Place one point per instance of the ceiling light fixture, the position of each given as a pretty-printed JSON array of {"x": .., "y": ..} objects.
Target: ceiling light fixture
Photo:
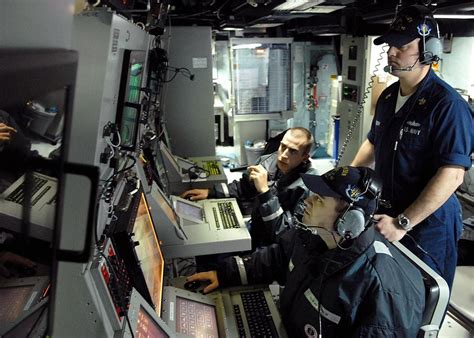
[
  {"x": 318, "y": 10},
  {"x": 247, "y": 46},
  {"x": 297, "y": 4},
  {"x": 267, "y": 25},
  {"x": 454, "y": 16},
  {"x": 232, "y": 29}
]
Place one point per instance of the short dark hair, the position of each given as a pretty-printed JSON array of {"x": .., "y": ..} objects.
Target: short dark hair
[{"x": 308, "y": 145}]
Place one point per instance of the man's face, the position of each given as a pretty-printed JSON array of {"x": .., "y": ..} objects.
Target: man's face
[
  {"x": 322, "y": 211},
  {"x": 291, "y": 151},
  {"x": 403, "y": 57}
]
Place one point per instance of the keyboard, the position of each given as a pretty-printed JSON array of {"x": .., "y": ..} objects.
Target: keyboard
[
  {"x": 212, "y": 167},
  {"x": 259, "y": 319},
  {"x": 18, "y": 195},
  {"x": 228, "y": 216}
]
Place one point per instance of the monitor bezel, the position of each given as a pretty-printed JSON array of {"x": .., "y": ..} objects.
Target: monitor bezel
[
  {"x": 177, "y": 200},
  {"x": 121, "y": 232},
  {"x": 122, "y": 102},
  {"x": 170, "y": 294},
  {"x": 136, "y": 303}
]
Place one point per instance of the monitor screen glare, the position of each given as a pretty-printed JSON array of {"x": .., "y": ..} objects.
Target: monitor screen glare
[
  {"x": 195, "y": 319},
  {"x": 149, "y": 253},
  {"x": 188, "y": 210},
  {"x": 147, "y": 327}
]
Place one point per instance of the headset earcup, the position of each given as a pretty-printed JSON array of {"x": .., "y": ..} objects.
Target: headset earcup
[
  {"x": 432, "y": 52},
  {"x": 352, "y": 224}
]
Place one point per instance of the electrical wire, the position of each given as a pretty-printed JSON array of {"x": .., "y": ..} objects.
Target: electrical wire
[{"x": 360, "y": 107}]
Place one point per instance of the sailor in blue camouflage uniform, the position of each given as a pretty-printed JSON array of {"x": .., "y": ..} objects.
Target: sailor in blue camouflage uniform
[
  {"x": 274, "y": 186},
  {"x": 335, "y": 267},
  {"x": 421, "y": 140}
]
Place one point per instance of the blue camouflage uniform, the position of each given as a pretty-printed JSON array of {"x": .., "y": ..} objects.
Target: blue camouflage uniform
[{"x": 434, "y": 128}]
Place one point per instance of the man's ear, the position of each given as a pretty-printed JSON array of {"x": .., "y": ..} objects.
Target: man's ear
[{"x": 305, "y": 157}]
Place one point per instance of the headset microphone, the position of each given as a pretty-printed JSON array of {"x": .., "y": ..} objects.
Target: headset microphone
[{"x": 389, "y": 69}]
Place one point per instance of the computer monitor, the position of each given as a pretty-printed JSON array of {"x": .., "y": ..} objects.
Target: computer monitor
[
  {"x": 196, "y": 319},
  {"x": 190, "y": 314},
  {"x": 149, "y": 252},
  {"x": 136, "y": 243},
  {"x": 144, "y": 322},
  {"x": 128, "y": 106}
]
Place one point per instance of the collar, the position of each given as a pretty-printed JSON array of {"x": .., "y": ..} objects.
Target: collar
[
  {"x": 338, "y": 259},
  {"x": 283, "y": 180}
]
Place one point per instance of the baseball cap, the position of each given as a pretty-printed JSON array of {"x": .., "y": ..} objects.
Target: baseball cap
[
  {"x": 346, "y": 183},
  {"x": 412, "y": 22}
]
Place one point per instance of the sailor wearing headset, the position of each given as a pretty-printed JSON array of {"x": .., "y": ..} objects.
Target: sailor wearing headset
[
  {"x": 341, "y": 277},
  {"x": 421, "y": 140}
]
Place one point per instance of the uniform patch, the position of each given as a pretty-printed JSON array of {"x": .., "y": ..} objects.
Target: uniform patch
[
  {"x": 311, "y": 298},
  {"x": 381, "y": 248},
  {"x": 310, "y": 331}
]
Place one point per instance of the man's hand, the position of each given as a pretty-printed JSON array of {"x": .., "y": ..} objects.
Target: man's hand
[
  {"x": 259, "y": 176},
  {"x": 6, "y": 132},
  {"x": 210, "y": 276},
  {"x": 10, "y": 259},
  {"x": 387, "y": 226},
  {"x": 196, "y": 194}
]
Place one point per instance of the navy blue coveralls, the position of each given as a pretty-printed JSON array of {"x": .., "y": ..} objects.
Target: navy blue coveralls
[
  {"x": 434, "y": 128},
  {"x": 367, "y": 290}
]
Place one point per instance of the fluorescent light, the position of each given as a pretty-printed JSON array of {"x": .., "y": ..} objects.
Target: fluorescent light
[
  {"x": 328, "y": 34},
  {"x": 453, "y": 16},
  {"x": 247, "y": 46},
  {"x": 267, "y": 25},
  {"x": 293, "y": 4},
  {"x": 318, "y": 10},
  {"x": 232, "y": 29}
]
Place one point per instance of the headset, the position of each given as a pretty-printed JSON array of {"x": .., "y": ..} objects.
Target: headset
[
  {"x": 353, "y": 221},
  {"x": 431, "y": 47}
]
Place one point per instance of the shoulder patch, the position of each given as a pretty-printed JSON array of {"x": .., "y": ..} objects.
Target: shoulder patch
[{"x": 381, "y": 248}]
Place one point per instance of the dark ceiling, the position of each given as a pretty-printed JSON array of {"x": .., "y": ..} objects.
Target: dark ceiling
[{"x": 357, "y": 17}]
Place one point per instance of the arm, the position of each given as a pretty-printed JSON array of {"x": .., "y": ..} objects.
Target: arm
[
  {"x": 365, "y": 156},
  {"x": 263, "y": 266},
  {"x": 441, "y": 186},
  {"x": 9, "y": 260},
  {"x": 275, "y": 219}
]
